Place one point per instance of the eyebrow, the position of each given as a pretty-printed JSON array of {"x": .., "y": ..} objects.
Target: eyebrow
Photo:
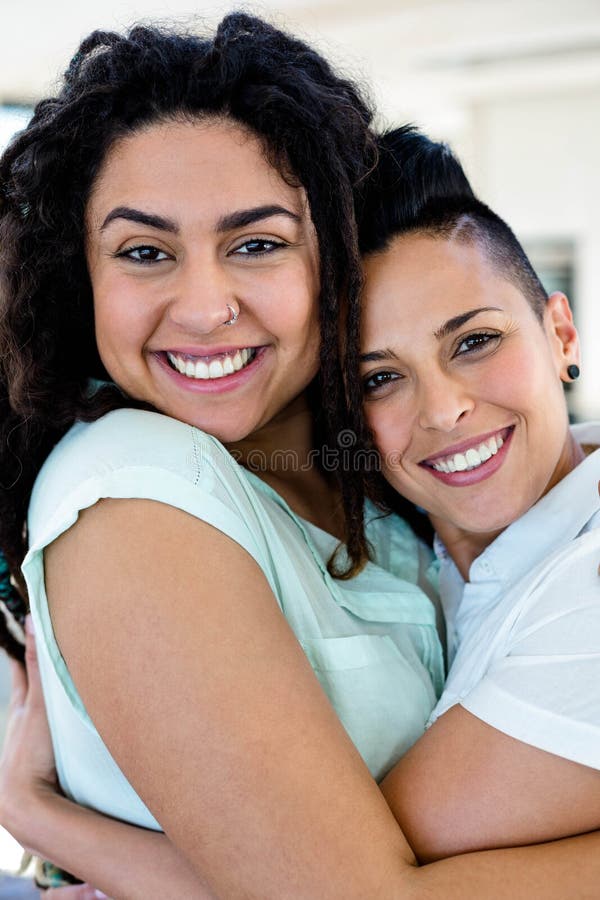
[
  {"x": 239, "y": 219},
  {"x": 447, "y": 328},
  {"x": 141, "y": 217},
  {"x": 377, "y": 356},
  {"x": 244, "y": 217},
  {"x": 457, "y": 321}
]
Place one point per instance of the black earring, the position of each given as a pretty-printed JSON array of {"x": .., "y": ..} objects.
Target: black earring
[{"x": 573, "y": 371}]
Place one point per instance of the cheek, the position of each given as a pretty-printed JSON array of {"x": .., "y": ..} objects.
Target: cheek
[
  {"x": 520, "y": 379},
  {"x": 391, "y": 430},
  {"x": 122, "y": 324},
  {"x": 293, "y": 315},
  {"x": 121, "y": 309}
]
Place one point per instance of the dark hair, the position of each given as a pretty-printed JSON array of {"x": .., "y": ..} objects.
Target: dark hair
[
  {"x": 411, "y": 172},
  {"x": 413, "y": 175},
  {"x": 421, "y": 187},
  {"x": 314, "y": 127}
]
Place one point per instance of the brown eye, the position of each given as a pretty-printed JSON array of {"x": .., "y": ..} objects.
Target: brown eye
[
  {"x": 478, "y": 341},
  {"x": 258, "y": 247},
  {"x": 143, "y": 254},
  {"x": 378, "y": 380}
]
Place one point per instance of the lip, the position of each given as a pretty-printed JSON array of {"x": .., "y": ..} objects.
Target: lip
[
  {"x": 208, "y": 352},
  {"x": 466, "y": 444},
  {"x": 218, "y": 385},
  {"x": 472, "y": 476}
]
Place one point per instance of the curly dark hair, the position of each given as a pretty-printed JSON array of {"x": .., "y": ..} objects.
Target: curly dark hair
[{"x": 315, "y": 129}]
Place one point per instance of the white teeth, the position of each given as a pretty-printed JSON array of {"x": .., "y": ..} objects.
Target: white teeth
[
  {"x": 216, "y": 368},
  {"x": 471, "y": 458},
  {"x": 460, "y": 462}
]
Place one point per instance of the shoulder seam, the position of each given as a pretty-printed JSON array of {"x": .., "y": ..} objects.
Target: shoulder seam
[{"x": 196, "y": 455}]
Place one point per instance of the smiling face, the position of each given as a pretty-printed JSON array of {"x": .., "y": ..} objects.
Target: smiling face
[
  {"x": 189, "y": 226},
  {"x": 463, "y": 383}
]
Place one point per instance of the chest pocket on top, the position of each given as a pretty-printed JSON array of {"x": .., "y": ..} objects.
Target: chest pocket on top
[{"x": 382, "y": 696}]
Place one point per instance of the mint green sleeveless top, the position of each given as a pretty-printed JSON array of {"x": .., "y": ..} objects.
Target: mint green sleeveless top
[{"x": 372, "y": 641}]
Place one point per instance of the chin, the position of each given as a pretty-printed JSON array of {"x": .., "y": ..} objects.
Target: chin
[
  {"x": 480, "y": 523},
  {"x": 226, "y": 433}
]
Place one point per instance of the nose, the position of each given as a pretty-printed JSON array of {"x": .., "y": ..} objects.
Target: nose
[
  {"x": 444, "y": 400},
  {"x": 198, "y": 300}
]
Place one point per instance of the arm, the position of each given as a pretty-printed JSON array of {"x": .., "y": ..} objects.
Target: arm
[
  {"x": 466, "y": 786},
  {"x": 134, "y": 864},
  {"x": 541, "y": 695},
  {"x": 123, "y": 860},
  {"x": 222, "y": 723},
  {"x": 262, "y": 732}
]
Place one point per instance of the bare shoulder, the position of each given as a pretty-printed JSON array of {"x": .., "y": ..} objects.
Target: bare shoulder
[
  {"x": 135, "y": 558},
  {"x": 206, "y": 701}
]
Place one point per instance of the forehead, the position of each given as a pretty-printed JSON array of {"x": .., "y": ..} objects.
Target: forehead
[
  {"x": 422, "y": 260},
  {"x": 424, "y": 279},
  {"x": 212, "y": 166}
]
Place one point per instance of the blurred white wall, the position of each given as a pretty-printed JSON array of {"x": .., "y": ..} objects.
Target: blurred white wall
[{"x": 537, "y": 164}]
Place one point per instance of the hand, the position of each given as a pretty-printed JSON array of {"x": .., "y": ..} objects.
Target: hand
[
  {"x": 73, "y": 892},
  {"x": 27, "y": 767}
]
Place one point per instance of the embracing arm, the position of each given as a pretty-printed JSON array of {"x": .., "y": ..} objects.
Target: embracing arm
[
  {"x": 122, "y": 860},
  {"x": 466, "y": 786},
  {"x": 135, "y": 864},
  {"x": 497, "y": 789},
  {"x": 229, "y": 783}
]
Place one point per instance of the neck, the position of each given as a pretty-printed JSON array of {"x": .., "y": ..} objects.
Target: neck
[
  {"x": 283, "y": 454},
  {"x": 282, "y": 446},
  {"x": 465, "y": 546}
]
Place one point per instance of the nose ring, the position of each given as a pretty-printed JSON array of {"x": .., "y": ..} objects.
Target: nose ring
[{"x": 233, "y": 316}]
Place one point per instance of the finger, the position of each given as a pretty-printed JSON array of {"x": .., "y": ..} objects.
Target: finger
[
  {"x": 18, "y": 684},
  {"x": 73, "y": 892},
  {"x": 35, "y": 697}
]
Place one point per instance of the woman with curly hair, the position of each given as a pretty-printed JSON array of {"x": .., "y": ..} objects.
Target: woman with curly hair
[{"x": 179, "y": 255}]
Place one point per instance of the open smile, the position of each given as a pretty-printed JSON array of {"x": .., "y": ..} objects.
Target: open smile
[
  {"x": 207, "y": 368},
  {"x": 472, "y": 460},
  {"x": 218, "y": 372}
]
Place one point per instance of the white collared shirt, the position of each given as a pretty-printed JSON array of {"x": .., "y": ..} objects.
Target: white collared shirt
[{"x": 524, "y": 631}]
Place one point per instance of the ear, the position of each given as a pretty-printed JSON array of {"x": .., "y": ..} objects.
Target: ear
[{"x": 562, "y": 334}]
